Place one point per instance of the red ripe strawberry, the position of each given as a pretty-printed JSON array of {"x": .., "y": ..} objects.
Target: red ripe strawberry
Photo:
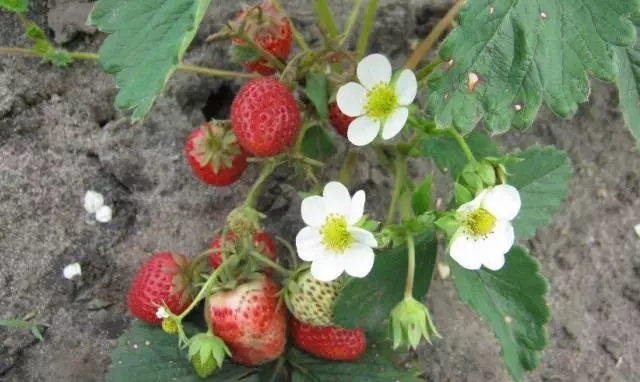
[
  {"x": 265, "y": 116},
  {"x": 163, "y": 279},
  {"x": 339, "y": 121},
  {"x": 270, "y": 29},
  {"x": 261, "y": 240},
  {"x": 250, "y": 321},
  {"x": 329, "y": 342},
  {"x": 214, "y": 155}
]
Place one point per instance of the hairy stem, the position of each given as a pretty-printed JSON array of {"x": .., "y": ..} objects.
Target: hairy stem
[
  {"x": 433, "y": 36},
  {"x": 462, "y": 143},
  {"x": 204, "y": 291},
  {"x": 411, "y": 266},
  {"x": 273, "y": 60},
  {"x": 430, "y": 67},
  {"x": 254, "y": 192},
  {"x": 270, "y": 263},
  {"x": 367, "y": 26},
  {"x": 325, "y": 17},
  {"x": 297, "y": 36},
  {"x": 214, "y": 72},
  {"x": 400, "y": 172},
  {"x": 351, "y": 22}
]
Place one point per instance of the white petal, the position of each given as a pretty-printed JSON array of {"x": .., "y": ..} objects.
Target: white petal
[
  {"x": 395, "y": 123},
  {"x": 93, "y": 201},
  {"x": 358, "y": 260},
  {"x": 309, "y": 244},
  {"x": 501, "y": 238},
  {"x": 162, "y": 313},
  {"x": 351, "y": 99},
  {"x": 328, "y": 266},
  {"x": 357, "y": 207},
  {"x": 336, "y": 198},
  {"x": 494, "y": 262},
  {"x": 363, "y": 236},
  {"x": 313, "y": 211},
  {"x": 503, "y": 202},
  {"x": 406, "y": 87},
  {"x": 104, "y": 214},
  {"x": 463, "y": 250},
  {"x": 474, "y": 204},
  {"x": 71, "y": 271},
  {"x": 373, "y": 69},
  {"x": 363, "y": 130}
]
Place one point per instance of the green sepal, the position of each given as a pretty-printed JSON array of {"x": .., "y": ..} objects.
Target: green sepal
[
  {"x": 448, "y": 223},
  {"x": 462, "y": 194},
  {"x": 316, "y": 90},
  {"x": 410, "y": 321},
  {"x": 243, "y": 53}
]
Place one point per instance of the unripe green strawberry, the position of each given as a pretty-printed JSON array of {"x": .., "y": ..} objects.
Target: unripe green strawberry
[
  {"x": 203, "y": 369},
  {"x": 170, "y": 326},
  {"x": 312, "y": 301}
]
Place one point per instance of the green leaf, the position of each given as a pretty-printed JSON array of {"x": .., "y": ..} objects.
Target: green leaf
[
  {"x": 449, "y": 157},
  {"x": 371, "y": 366},
  {"x": 421, "y": 198},
  {"x": 147, "y": 40},
  {"x": 628, "y": 81},
  {"x": 243, "y": 53},
  {"x": 147, "y": 354},
  {"x": 34, "y": 32},
  {"x": 316, "y": 90},
  {"x": 523, "y": 52},
  {"x": 374, "y": 296},
  {"x": 317, "y": 144},
  {"x": 513, "y": 301},
  {"x": 542, "y": 178},
  {"x": 17, "y": 6}
]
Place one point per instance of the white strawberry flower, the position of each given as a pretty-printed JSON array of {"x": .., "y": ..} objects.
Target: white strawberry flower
[
  {"x": 376, "y": 101},
  {"x": 331, "y": 241},
  {"x": 486, "y": 233}
]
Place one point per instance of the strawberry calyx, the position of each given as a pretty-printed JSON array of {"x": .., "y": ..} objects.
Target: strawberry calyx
[
  {"x": 207, "y": 353},
  {"x": 181, "y": 273},
  {"x": 215, "y": 146},
  {"x": 257, "y": 19}
]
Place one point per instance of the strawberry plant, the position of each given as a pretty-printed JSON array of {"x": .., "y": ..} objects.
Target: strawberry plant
[{"x": 347, "y": 295}]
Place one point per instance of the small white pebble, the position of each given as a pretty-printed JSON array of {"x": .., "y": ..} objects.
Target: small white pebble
[
  {"x": 443, "y": 270},
  {"x": 637, "y": 229},
  {"x": 93, "y": 200},
  {"x": 71, "y": 271},
  {"x": 104, "y": 214}
]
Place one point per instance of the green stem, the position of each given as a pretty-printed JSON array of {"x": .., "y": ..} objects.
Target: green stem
[
  {"x": 292, "y": 252},
  {"x": 347, "y": 166},
  {"x": 273, "y": 60},
  {"x": 424, "y": 72},
  {"x": 297, "y": 36},
  {"x": 462, "y": 143},
  {"x": 307, "y": 160},
  {"x": 325, "y": 17},
  {"x": 367, "y": 26},
  {"x": 433, "y": 36},
  {"x": 215, "y": 72},
  {"x": 270, "y": 263},
  {"x": 400, "y": 172},
  {"x": 411, "y": 266},
  {"x": 351, "y": 22},
  {"x": 204, "y": 291},
  {"x": 180, "y": 67},
  {"x": 254, "y": 192}
]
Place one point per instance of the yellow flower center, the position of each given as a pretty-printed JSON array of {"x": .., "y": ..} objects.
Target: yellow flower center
[
  {"x": 382, "y": 100},
  {"x": 480, "y": 222},
  {"x": 335, "y": 235}
]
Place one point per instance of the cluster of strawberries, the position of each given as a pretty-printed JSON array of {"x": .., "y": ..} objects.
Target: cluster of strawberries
[
  {"x": 245, "y": 309},
  {"x": 265, "y": 118}
]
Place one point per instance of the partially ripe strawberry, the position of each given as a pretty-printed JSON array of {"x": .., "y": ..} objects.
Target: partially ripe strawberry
[
  {"x": 311, "y": 301},
  {"x": 214, "y": 155},
  {"x": 265, "y": 117},
  {"x": 329, "y": 342},
  {"x": 270, "y": 29},
  {"x": 339, "y": 121},
  {"x": 250, "y": 320},
  {"x": 163, "y": 279},
  {"x": 261, "y": 240}
]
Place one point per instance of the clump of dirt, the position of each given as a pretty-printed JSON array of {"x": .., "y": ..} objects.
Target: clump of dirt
[{"x": 60, "y": 136}]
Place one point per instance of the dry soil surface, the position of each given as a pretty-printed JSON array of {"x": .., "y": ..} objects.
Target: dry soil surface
[{"x": 60, "y": 136}]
